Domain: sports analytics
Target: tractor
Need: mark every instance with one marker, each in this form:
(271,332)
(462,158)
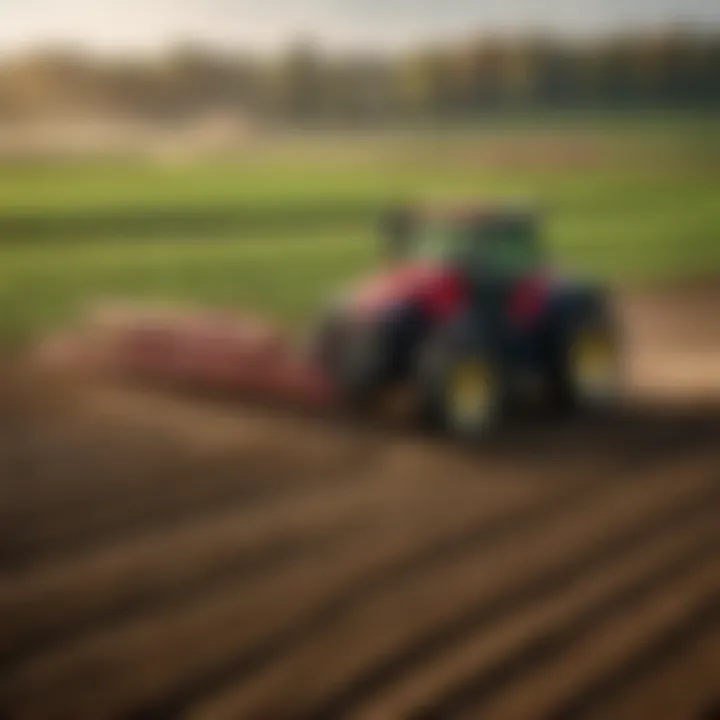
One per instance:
(469,320)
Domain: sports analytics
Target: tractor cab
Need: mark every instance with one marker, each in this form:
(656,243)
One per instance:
(495,245)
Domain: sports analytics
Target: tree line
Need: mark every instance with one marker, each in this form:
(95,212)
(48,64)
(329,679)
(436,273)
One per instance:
(653,70)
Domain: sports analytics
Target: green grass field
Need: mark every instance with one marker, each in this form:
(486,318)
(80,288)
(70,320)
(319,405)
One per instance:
(279,224)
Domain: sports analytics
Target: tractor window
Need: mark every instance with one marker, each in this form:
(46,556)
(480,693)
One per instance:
(511,248)
(504,248)
(447,243)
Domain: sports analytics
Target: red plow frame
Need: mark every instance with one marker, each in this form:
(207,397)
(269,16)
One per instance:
(214,351)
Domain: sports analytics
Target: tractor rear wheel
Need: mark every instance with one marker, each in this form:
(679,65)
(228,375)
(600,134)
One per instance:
(586,372)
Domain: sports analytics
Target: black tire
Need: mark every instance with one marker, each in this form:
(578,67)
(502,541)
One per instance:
(446,352)
(568,391)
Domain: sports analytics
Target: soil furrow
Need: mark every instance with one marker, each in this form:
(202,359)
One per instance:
(443,589)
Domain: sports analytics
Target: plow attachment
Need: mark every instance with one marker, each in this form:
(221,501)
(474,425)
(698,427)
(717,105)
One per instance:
(217,352)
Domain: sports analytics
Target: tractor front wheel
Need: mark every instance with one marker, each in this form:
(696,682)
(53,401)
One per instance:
(460,387)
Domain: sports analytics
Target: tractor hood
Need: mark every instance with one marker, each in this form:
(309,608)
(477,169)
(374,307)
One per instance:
(432,285)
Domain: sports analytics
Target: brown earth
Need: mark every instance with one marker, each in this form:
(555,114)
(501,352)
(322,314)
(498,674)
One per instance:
(165,556)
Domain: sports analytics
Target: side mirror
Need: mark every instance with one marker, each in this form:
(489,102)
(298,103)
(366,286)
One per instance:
(398,225)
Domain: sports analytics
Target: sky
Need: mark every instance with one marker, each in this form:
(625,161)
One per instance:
(149,25)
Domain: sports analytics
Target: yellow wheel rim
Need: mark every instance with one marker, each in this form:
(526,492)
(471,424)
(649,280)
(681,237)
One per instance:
(470,395)
(594,365)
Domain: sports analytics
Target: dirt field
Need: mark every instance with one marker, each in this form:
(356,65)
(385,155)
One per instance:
(164,556)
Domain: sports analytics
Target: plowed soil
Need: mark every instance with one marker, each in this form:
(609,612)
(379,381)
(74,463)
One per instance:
(164,556)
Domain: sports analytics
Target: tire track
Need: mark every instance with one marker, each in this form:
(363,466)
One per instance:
(506,673)
(444,581)
(507,608)
(702,625)
(202,626)
(422,684)
(611,639)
